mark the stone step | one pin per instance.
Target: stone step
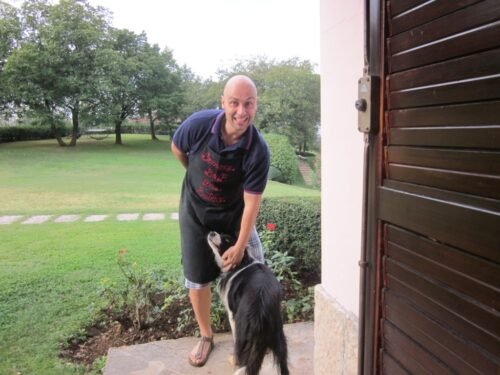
(306, 172)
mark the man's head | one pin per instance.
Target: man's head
(239, 102)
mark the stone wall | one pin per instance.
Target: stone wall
(335, 336)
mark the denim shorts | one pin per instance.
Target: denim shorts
(254, 248)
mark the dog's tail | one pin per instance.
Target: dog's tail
(261, 324)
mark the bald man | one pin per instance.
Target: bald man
(227, 162)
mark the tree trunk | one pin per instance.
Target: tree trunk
(118, 132)
(53, 126)
(75, 114)
(59, 139)
(152, 125)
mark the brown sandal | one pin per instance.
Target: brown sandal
(201, 356)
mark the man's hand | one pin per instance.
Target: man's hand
(232, 257)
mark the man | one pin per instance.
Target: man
(227, 162)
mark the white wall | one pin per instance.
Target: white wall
(341, 65)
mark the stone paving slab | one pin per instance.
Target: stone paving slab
(127, 217)
(169, 357)
(9, 219)
(95, 218)
(153, 217)
(67, 218)
(37, 219)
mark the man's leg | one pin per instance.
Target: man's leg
(201, 300)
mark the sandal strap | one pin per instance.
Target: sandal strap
(201, 347)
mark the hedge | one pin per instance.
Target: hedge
(27, 133)
(298, 229)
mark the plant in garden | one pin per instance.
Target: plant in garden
(141, 298)
(280, 262)
(301, 307)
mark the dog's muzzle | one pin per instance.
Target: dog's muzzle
(214, 237)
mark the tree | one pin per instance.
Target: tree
(10, 31)
(123, 72)
(289, 97)
(290, 104)
(53, 69)
(10, 34)
(160, 95)
(200, 94)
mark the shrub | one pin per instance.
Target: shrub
(28, 133)
(297, 231)
(140, 299)
(284, 166)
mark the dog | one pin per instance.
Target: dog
(252, 297)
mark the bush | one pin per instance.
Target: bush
(297, 231)
(28, 133)
(284, 166)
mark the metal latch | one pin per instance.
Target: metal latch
(366, 120)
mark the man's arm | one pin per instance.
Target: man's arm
(252, 204)
(181, 156)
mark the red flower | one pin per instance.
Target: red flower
(271, 227)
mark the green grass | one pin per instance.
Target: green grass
(49, 273)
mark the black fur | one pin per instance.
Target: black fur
(254, 299)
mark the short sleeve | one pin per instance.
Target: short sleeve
(256, 167)
(193, 130)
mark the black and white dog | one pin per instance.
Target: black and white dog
(252, 296)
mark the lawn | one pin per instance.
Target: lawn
(49, 273)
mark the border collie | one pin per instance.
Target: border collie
(252, 296)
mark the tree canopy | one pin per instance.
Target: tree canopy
(65, 61)
(289, 97)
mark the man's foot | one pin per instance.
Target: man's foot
(199, 356)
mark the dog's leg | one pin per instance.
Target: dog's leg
(240, 371)
(232, 324)
(232, 358)
(280, 353)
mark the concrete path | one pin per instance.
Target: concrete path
(169, 357)
(40, 219)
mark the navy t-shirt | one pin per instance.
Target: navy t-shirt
(190, 135)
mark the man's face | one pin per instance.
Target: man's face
(240, 104)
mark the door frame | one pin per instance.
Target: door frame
(370, 263)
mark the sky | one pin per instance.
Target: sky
(209, 34)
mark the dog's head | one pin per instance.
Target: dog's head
(220, 243)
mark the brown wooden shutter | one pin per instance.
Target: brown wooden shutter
(439, 203)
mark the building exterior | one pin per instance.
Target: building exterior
(337, 298)
(411, 206)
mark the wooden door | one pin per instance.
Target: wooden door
(435, 305)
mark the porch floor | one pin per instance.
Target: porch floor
(170, 356)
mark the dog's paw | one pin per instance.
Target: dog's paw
(232, 360)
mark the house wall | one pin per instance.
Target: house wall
(337, 297)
